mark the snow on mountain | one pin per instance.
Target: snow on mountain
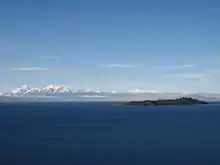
(52, 89)
(55, 89)
(20, 91)
(142, 91)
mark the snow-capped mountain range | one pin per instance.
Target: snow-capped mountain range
(53, 89)
(25, 90)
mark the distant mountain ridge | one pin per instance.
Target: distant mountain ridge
(53, 89)
(66, 93)
(48, 90)
(24, 90)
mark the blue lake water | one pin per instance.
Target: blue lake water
(102, 134)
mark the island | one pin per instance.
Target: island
(178, 101)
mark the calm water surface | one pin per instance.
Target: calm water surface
(101, 134)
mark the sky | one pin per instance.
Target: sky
(163, 45)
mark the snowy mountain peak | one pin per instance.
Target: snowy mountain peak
(143, 91)
(136, 91)
(55, 88)
(24, 90)
(52, 86)
(24, 87)
(21, 90)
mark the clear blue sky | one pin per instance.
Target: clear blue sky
(165, 45)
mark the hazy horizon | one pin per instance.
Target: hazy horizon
(97, 90)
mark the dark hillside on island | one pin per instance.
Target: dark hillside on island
(180, 101)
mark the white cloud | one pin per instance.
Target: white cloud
(49, 57)
(30, 69)
(197, 76)
(42, 69)
(183, 66)
(117, 65)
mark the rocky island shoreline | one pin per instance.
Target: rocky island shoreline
(179, 101)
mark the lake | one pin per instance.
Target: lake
(102, 134)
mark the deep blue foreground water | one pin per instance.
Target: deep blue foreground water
(101, 134)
